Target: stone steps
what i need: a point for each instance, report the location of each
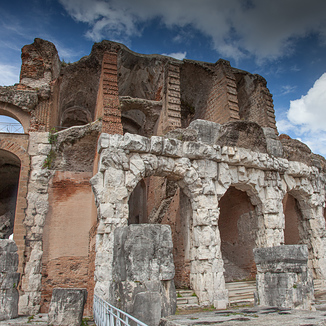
(240, 293)
(186, 299)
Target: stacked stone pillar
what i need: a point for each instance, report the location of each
(283, 277)
(9, 279)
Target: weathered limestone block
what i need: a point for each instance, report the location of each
(8, 280)
(67, 307)
(283, 277)
(136, 143)
(208, 132)
(143, 272)
(274, 145)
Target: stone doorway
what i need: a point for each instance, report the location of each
(293, 218)
(237, 225)
(9, 174)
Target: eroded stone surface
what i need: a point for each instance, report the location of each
(283, 277)
(9, 280)
(67, 306)
(143, 272)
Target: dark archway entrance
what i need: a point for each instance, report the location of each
(237, 225)
(9, 176)
(293, 216)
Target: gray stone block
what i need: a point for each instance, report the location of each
(8, 256)
(8, 303)
(9, 280)
(274, 145)
(143, 272)
(67, 306)
(283, 278)
(208, 132)
(143, 252)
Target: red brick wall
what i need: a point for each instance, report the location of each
(255, 100)
(222, 104)
(68, 250)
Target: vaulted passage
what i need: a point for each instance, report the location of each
(237, 224)
(293, 217)
(9, 176)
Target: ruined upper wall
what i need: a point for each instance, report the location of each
(183, 90)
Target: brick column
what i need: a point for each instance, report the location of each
(110, 97)
(172, 102)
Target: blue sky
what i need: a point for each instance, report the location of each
(282, 40)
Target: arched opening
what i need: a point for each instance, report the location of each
(293, 218)
(75, 116)
(133, 122)
(10, 125)
(138, 204)
(237, 225)
(9, 175)
(158, 200)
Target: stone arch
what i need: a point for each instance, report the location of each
(16, 113)
(75, 116)
(238, 231)
(240, 220)
(9, 173)
(17, 146)
(310, 221)
(120, 172)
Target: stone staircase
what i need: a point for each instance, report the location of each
(186, 299)
(240, 293)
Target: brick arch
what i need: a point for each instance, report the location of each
(17, 145)
(16, 113)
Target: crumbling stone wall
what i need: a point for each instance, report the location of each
(204, 173)
(188, 170)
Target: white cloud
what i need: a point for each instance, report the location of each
(306, 117)
(310, 110)
(284, 126)
(263, 28)
(177, 55)
(9, 75)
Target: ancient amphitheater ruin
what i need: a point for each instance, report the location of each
(118, 146)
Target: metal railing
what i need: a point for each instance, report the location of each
(107, 315)
(12, 128)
